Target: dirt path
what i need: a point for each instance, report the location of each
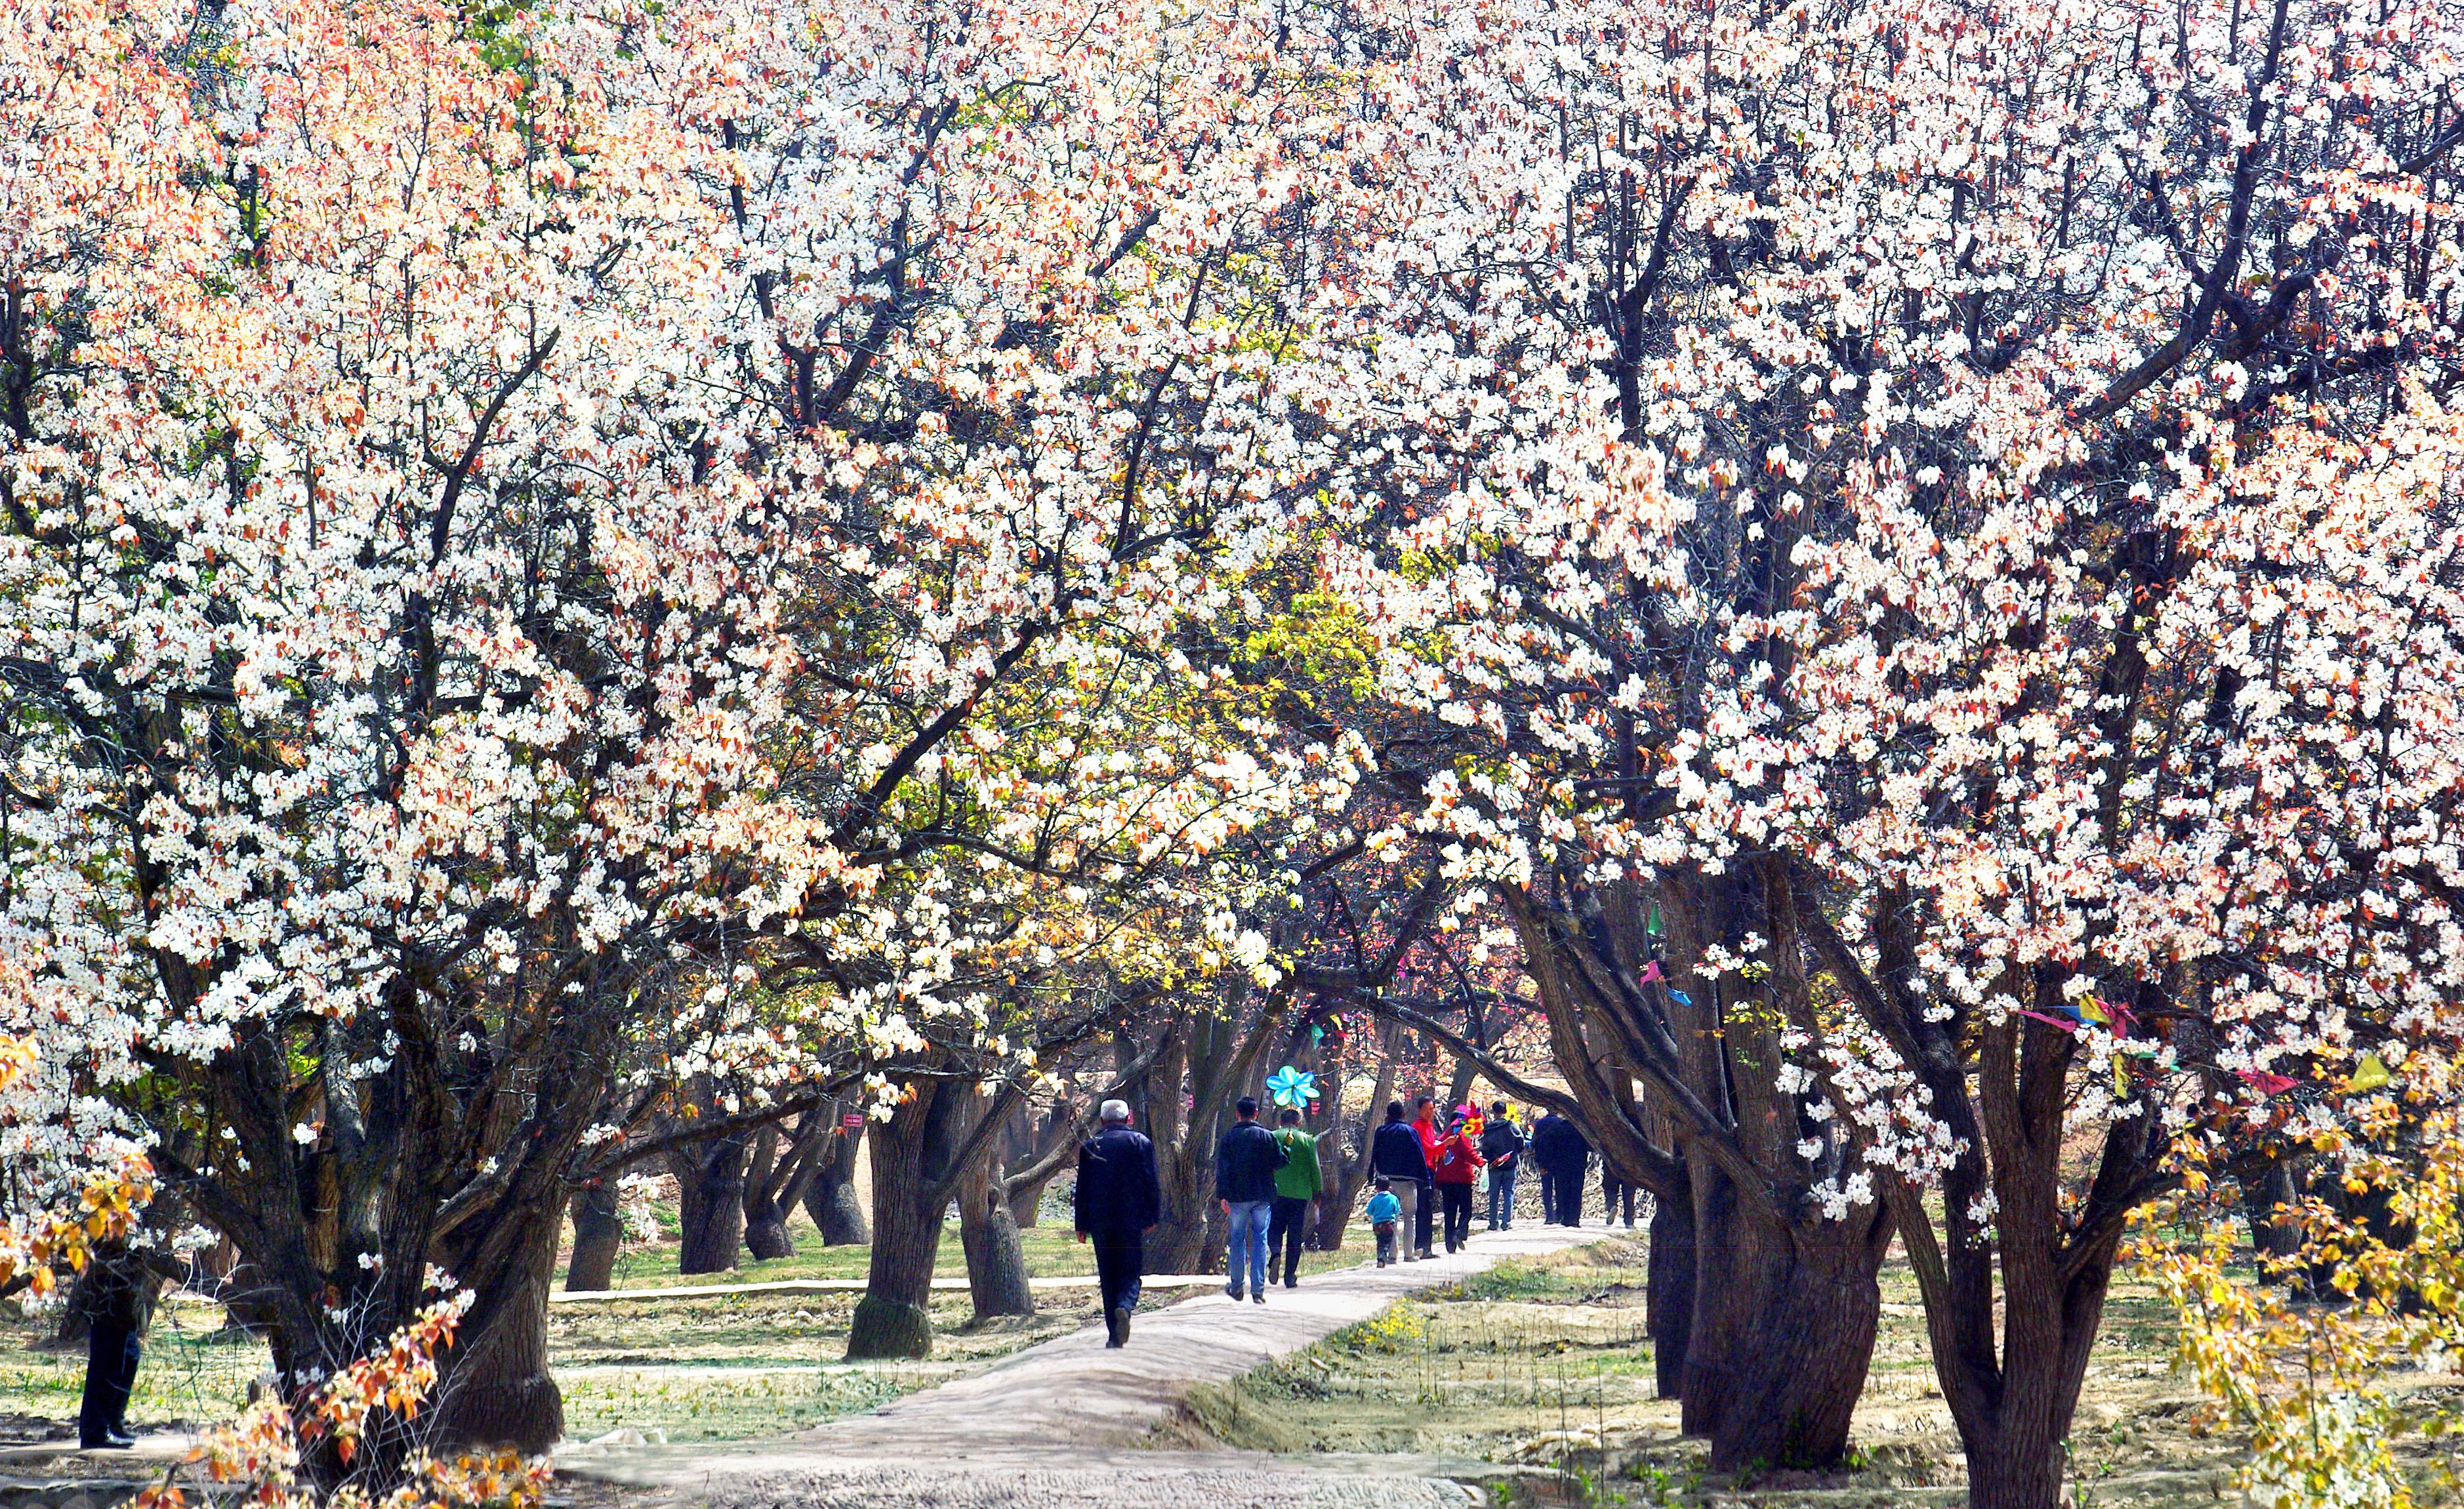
(1057, 1426)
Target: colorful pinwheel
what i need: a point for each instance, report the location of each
(1290, 1086)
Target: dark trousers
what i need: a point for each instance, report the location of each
(1120, 1258)
(1424, 1221)
(111, 1351)
(1565, 1193)
(1283, 1226)
(1456, 1198)
(1610, 1191)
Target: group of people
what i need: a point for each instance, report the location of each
(1562, 1156)
(1425, 1175)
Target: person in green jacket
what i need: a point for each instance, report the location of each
(1296, 1182)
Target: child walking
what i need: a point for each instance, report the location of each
(1384, 1212)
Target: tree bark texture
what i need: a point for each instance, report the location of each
(494, 1389)
(1670, 1280)
(766, 1219)
(988, 1234)
(909, 1153)
(710, 1177)
(830, 1198)
(598, 1233)
(1763, 1311)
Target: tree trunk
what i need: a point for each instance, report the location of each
(1351, 1178)
(1669, 1297)
(996, 1261)
(894, 1318)
(598, 1232)
(765, 1224)
(1776, 1350)
(830, 1199)
(2265, 1192)
(711, 1178)
(1027, 1195)
(494, 1389)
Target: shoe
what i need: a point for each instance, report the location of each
(1236, 1293)
(1116, 1328)
(1259, 1297)
(114, 1442)
(1291, 1283)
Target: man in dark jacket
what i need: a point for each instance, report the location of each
(1396, 1152)
(1246, 1162)
(115, 1296)
(1501, 1143)
(1564, 1159)
(1118, 1198)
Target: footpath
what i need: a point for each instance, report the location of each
(1059, 1425)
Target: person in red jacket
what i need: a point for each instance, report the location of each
(1458, 1163)
(1425, 1126)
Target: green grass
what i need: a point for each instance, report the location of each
(1053, 1250)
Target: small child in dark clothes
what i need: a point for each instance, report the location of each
(1384, 1211)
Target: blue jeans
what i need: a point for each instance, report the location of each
(1501, 1197)
(1246, 1241)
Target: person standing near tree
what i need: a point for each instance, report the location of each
(1118, 1197)
(1459, 1164)
(1246, 1162)
(1564, 1157)
(1501, 1143)
(1395, 1154)
(114, 1297)
(1296, 1182)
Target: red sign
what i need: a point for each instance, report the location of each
(853, 1121)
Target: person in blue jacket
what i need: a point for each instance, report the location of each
(1246, 1162)
(1118, 1198)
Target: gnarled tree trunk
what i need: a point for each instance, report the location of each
(1776, 1350)
(598, 1233)
(709, 1176)
(1669, 1283)
(910, 1154)
(1349, 1146)
(996, 1261)
(494, 1389)
(830, 1198)
(766, 1219)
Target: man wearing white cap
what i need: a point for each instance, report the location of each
(1118, 1198)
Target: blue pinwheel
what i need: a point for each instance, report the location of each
(1290, 1086)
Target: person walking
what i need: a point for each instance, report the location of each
(1384, 1210)
(115, 1300)
(1459, 1164)
(1297, 1184)
(1425, 1126)
(1246, 1162)
(1565, 1157)
(1394, 1154)
(1611, 1190)
(1501, 1143)
(1118, 1198)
